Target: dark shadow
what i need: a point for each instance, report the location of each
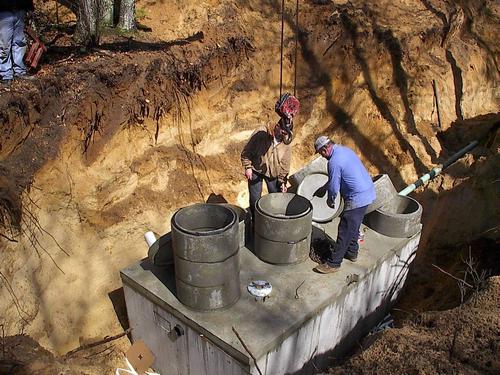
(56, 54)
(117, 298)
(462, 132)
(350, 27)
(399, 75)
(165, 274)
(131, 44)
(216, 198)
(457, 82)
(297, 206)
(440, 15)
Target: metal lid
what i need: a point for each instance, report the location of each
(260, 288)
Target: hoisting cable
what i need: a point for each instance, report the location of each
(281, 51)
(296, 44)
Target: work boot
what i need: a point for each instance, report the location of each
(326, 268)
(352, 258)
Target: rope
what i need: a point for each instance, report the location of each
(282, 30)
(296, 43)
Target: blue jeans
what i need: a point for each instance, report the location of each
(347, 237)
(12, 44)
(255, 188)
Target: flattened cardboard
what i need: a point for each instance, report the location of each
(140, 357)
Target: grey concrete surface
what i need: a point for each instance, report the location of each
(298, 298)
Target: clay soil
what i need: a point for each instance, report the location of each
(108, 143)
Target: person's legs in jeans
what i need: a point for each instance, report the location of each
(348, 230)
(272, 185)
(6, 35)
(19, 44)
(255, 191)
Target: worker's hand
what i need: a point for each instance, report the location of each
(249, 174)
(320, 192)
(283, 188)
(330, 202)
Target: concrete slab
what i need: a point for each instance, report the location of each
(307, 314)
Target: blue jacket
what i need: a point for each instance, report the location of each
(347, 175)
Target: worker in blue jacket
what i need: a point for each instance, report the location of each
(347, 176)
(12, 38)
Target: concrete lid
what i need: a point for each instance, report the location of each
(321, 211)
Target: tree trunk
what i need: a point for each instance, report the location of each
(106, 12)
(87, 31)
(127, 15)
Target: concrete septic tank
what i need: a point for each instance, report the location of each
(399, 217)
(282, 229)
(205, 241)
(308, 319)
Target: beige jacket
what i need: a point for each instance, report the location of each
(264, 157)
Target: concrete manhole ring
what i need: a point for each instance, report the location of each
(321, 211)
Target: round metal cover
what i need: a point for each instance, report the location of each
(321, 211)
(260, 288)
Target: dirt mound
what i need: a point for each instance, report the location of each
(464, 340)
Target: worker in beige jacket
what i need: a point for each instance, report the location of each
(267, 157)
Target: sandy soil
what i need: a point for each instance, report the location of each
(365, 75)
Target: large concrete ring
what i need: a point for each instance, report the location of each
(308, 188)
(205, 233)
(283, 217)
(282, 229)
(205, 243)
(208, 298)
(385, 191)
(206, 275)
(282, 253)
(400, 217)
